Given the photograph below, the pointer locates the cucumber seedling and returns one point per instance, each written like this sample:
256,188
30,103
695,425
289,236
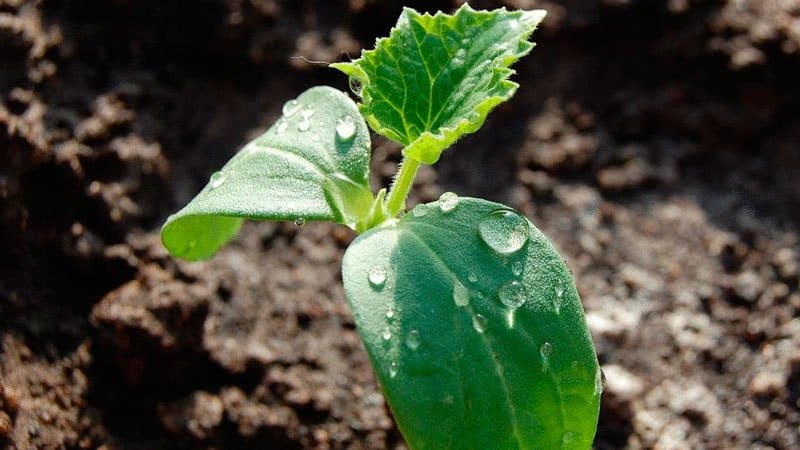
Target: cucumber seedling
470,317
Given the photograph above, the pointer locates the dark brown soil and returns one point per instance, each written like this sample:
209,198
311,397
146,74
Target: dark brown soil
657,142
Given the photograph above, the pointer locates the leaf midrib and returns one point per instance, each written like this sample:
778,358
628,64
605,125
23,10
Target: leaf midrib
487,346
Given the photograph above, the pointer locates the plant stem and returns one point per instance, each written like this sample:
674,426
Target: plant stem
401,186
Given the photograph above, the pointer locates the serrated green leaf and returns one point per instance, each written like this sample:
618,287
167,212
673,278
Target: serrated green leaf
475,330
435,78
312,164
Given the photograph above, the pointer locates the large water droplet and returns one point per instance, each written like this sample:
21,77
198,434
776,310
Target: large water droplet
513,294
420,210
390,314
299,222
291,107
386,335
217,178
345,128
505,231
413,340
377,277
546,350
479,323
356,86
448,202
460,294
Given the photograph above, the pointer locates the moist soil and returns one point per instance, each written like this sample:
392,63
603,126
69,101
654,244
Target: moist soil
656,142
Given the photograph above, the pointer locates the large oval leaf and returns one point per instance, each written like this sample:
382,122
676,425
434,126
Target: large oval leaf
435,78
312,164
475,330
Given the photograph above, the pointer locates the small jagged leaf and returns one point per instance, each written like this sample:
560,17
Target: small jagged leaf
435,78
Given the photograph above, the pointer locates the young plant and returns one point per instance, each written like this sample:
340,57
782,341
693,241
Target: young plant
470,317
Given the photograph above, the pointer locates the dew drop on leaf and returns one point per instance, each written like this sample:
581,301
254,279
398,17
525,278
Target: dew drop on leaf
412,340
307,113
282,126
420,210
479,323
514,24
345,128
448,202
460,294
390,314
217,178
546,350
513,294
516,268
386,335
393,369
505,231
377,278
291,107
472,277
355,86
299,222
303,125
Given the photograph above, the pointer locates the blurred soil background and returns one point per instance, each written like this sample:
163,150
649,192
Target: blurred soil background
657,142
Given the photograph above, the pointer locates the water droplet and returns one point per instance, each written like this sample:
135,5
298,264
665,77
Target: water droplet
420,210
505,231
516,268
460,294
356,86
303,125
390,314
513,294
386,335
546,350
217,178
412,340
568,437
448,202
511,317
291,107
514,24
345,128
282,126
559,290
558,299
393,369
299,222
307,113
479,323
472,277
377,277
458,58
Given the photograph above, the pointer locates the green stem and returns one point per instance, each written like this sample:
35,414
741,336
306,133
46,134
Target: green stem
401,186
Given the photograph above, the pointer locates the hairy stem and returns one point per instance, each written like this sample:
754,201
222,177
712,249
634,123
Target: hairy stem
401,186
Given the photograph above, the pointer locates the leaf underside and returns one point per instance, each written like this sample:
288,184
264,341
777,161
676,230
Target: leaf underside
460,368
435,78
313,164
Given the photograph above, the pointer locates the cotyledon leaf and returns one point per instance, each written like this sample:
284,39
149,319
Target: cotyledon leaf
435,78
312,164
475,329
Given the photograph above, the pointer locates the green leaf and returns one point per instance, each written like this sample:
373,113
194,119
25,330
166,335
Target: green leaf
475,329
435,78
312,164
